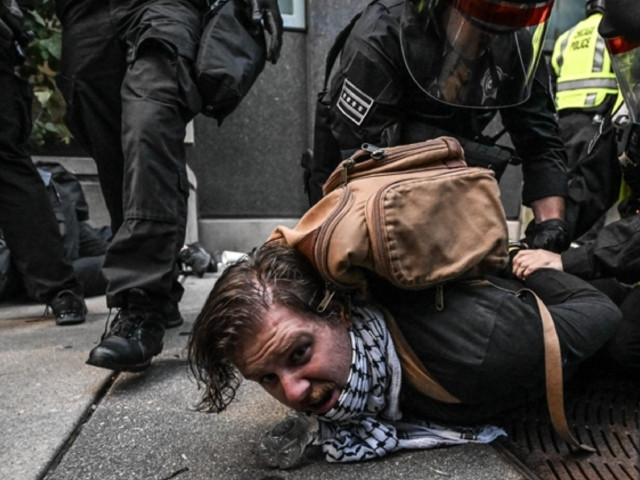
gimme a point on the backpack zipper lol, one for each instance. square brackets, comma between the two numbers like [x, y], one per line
[320, 251]
[382, 156]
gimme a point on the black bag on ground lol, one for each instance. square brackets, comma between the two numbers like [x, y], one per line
[68, 202]
[231, 55]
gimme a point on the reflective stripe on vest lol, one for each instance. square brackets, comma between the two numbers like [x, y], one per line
[585, 78]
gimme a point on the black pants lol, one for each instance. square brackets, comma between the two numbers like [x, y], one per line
[126, 77]
[27, 220]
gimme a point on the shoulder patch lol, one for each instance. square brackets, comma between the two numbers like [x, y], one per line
[354, 103]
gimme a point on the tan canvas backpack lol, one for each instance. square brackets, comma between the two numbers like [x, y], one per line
[414, 214]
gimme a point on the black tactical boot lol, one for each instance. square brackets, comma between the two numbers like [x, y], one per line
[68, 308]
[134, 337]
[172, 316]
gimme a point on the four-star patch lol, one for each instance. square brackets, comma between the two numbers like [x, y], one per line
[354, 103]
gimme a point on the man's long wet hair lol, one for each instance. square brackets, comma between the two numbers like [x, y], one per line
[273, 274]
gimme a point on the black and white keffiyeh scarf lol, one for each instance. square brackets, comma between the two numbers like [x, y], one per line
[366, 422]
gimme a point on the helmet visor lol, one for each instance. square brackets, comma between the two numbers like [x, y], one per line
[486, 54]
[625, 59]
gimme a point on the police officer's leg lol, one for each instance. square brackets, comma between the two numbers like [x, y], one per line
[158, 98]
[26, 217]
[93, 67]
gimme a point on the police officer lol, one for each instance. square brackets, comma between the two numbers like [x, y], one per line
[416, 69]
[586, 89]
[27, 220]
[584, 77]
[613, 251]
[127, 78]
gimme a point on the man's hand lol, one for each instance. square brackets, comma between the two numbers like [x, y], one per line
[528, 261]
[269, 11]
[551, 235]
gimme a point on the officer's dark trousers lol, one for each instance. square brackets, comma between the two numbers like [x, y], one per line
[26, 217]
[126, 77]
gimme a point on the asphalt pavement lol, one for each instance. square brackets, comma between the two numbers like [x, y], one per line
[62, 419]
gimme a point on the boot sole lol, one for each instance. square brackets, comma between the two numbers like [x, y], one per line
[139, 367]
[174, 322]
[119, 367]
[70, 320]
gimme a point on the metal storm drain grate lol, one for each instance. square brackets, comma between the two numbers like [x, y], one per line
[602, 410]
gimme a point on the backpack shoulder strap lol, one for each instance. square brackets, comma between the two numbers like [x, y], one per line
[553, 370]
[412, 368]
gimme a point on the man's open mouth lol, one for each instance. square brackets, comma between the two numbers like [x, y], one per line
[326, 402]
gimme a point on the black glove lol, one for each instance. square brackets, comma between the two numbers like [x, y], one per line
[552, 235]
[270, 12]
[629, 207]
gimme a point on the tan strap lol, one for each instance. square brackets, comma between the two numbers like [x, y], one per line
[412, 368]
[553, 377]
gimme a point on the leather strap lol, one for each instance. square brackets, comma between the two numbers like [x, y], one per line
[553, 377]
[412, 368]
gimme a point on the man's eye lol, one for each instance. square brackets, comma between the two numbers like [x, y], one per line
[268, 379]
[299, 355]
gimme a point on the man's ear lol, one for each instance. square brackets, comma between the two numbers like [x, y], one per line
[343, 316]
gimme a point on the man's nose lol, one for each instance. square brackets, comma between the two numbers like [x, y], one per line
[294, 387]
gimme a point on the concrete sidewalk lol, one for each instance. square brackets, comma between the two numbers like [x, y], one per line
[62, 419]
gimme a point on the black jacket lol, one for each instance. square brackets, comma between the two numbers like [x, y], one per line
[485, 346]
[614, 252]
[372, 61]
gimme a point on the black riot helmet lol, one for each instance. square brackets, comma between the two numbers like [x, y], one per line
[620, 28]
[474, 53]
[593, 6]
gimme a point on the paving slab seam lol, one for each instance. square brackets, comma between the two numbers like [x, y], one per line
[57, 458]
[515, 462]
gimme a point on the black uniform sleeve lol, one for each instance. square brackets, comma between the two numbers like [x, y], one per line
[366, 90]
[534, 131]
[615, 251]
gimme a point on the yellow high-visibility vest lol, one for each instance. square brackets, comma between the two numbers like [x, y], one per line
[582, 65]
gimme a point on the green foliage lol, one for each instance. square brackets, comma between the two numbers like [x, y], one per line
[40, 68]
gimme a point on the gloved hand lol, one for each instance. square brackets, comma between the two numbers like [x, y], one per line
[11, 23]
[552, 235]
[629, 207]
[270, 12]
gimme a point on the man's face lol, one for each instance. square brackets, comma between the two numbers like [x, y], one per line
[303, 362]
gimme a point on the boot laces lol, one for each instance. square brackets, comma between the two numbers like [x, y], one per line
[125, 323]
